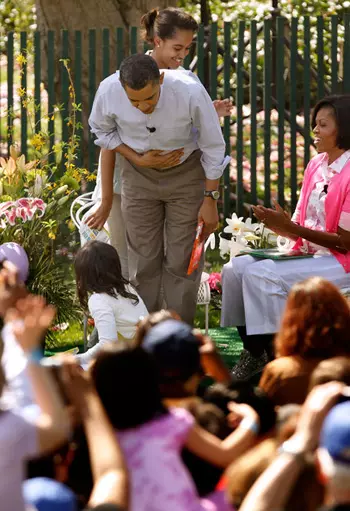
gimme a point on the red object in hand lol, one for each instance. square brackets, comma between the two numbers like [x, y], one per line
[197, 250]
[91, 322]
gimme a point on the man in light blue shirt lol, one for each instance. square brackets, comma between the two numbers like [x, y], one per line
[166, 128]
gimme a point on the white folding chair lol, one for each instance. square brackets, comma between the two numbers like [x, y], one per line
[204, 295]
[80, 206]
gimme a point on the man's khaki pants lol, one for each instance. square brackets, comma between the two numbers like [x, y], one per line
[160, 210]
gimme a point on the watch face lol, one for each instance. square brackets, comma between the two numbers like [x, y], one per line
[215, 195]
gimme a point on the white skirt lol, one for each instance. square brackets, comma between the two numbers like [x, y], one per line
[254, 291]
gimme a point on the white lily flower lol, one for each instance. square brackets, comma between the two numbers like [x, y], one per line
[211, 242]
[224, 246]
[234, 224]
[249, 225]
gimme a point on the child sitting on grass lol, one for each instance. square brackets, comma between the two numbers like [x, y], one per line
[111, 300]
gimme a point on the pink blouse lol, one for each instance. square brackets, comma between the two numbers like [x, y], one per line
[315, 217]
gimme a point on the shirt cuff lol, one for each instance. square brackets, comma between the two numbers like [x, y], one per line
[108, 141]
[216, 173]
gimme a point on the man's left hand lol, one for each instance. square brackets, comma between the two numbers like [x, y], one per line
[208, 214]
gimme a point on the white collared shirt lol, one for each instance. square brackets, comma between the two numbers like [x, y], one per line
[183, 104]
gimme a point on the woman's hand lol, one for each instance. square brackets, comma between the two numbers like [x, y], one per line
[276, 219]
[99, 217]
[223, 107]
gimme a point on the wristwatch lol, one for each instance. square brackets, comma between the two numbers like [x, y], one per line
[214, 194]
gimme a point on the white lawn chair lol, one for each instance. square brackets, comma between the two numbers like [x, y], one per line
[78, 212]
[204, 295]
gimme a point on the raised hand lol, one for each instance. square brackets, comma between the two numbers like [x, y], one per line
[223, 107]
[32, 317]
[11, 288]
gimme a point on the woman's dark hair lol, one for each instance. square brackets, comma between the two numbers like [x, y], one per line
[126, 380]
[316, 321]
[164, 23]
[340, 104]
[98, 270]
[242, 392]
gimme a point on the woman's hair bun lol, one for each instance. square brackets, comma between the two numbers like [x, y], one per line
[147, 24]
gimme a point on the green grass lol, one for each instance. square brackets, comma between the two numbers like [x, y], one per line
[226, 339]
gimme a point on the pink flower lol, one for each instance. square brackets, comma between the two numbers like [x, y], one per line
[39, 205]
[22, 214]
[24, 203]
[215, 281]
[11, 216]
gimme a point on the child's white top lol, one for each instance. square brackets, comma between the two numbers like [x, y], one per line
[114, 317]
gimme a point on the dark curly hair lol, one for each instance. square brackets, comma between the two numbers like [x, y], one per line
[316, 321]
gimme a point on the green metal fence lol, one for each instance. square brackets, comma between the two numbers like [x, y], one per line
[274, 72]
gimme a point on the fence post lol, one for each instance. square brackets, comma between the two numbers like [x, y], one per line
[105, 53]
[10, 69]
[51, 91]
[65, 98]
[24, 108]
[253, 111]
[334, 53]
[120, 46]
[267, 109]
[133, 40]
[239, 118]
[280, 24]
[320, 57]
[307, 136]
[78, 93]
[227, 93]
[92, 90]
[346, 62]
[37, 81]
[200, 53]
[293, 112]
[213, 61]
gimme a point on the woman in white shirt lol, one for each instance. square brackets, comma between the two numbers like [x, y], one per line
[171, 32]
[112, 302]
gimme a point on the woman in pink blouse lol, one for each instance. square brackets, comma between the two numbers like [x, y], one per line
[255, 291]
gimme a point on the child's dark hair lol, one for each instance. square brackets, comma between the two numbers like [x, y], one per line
[242, 392]
[165, 22]
[126, 380]
[205, 475]
[98, 270]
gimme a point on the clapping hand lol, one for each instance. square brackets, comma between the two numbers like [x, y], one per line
[276, 219]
